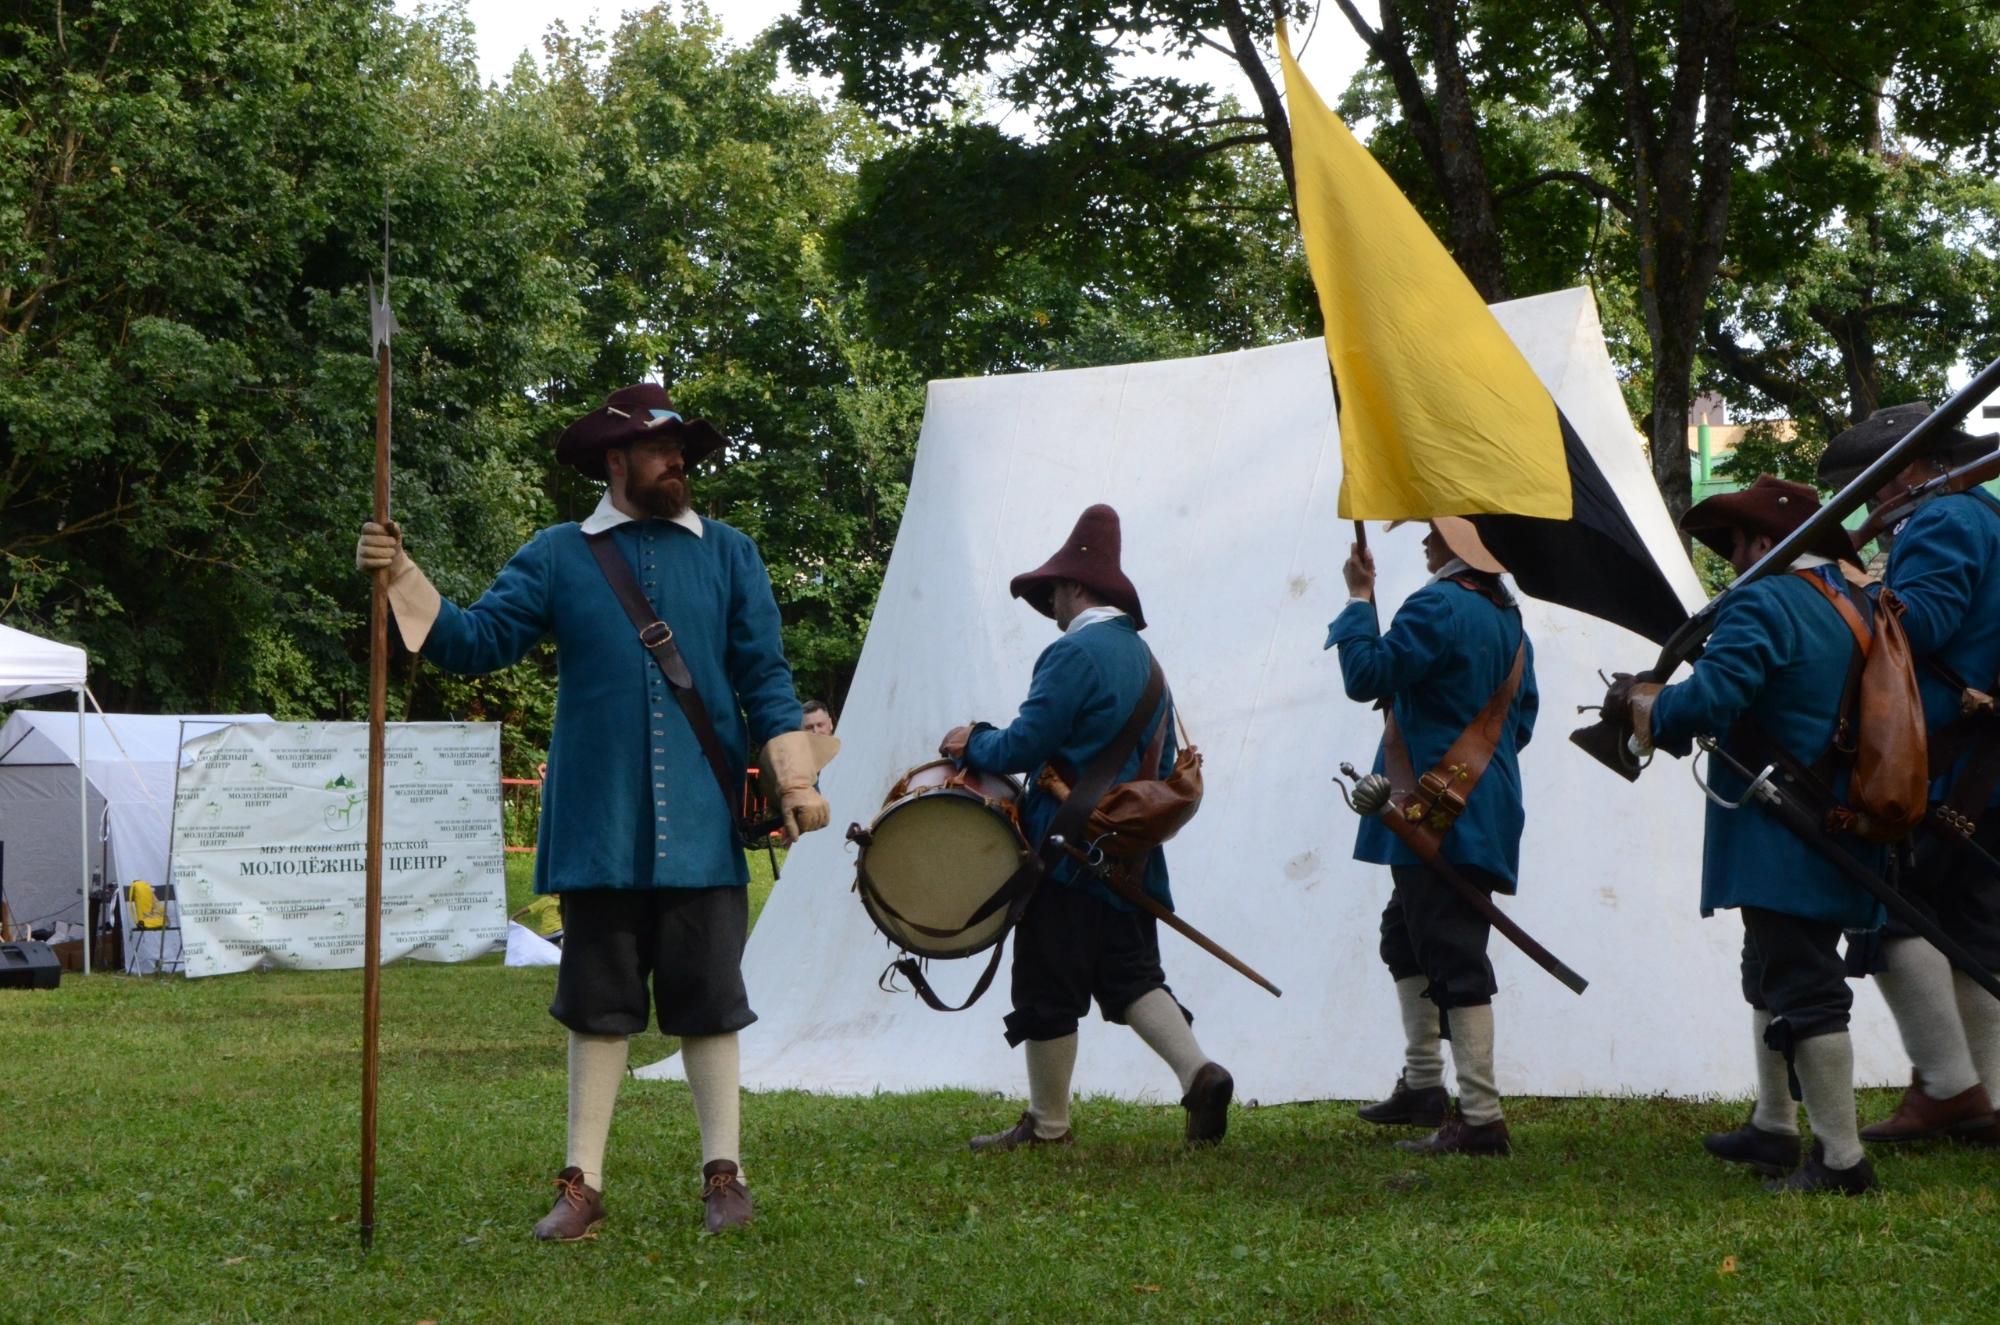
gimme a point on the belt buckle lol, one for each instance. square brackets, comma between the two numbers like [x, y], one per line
[653, 641]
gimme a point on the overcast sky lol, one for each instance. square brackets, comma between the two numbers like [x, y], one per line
[508, 27]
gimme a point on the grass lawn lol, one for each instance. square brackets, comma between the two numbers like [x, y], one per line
[184, 1150]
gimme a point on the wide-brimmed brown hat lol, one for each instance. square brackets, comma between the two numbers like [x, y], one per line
[1463, 539]
[1867, 441]
[1090, 557]
[633, 414]
[1770, 506]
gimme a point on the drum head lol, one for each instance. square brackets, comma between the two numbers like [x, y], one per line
[934, 858]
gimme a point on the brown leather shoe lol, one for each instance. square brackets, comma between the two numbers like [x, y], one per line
[577, 1213]
[1427, 1106]
[725, 1198]
[1918, 1117]
[1459, 1137]
[1020, 1134]
[1207, 1104]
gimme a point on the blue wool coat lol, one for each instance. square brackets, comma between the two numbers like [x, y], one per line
[1085, 686]
[629, 802]
[1945, 565]
[1447, 650]
[1778, 654]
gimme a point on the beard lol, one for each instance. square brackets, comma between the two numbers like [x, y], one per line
[666, 498]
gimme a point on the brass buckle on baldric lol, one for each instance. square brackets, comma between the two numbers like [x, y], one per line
[653, 641]
[1437, 799]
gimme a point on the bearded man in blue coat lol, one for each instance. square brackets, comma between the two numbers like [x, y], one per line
[1944, 563]
[1077, 940]
[1448, 650]
[638, 836]
[1773, 675]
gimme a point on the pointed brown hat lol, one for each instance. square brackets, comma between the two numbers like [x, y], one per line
[1090, 557]
[632, 414]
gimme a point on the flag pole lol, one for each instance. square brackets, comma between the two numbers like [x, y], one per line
[382, 325]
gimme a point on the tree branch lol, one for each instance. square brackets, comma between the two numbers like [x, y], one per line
[1589, 183]
[1758, 372]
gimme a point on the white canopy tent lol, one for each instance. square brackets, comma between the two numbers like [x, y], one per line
[1226, 473]
[126, 764]
[30, 667]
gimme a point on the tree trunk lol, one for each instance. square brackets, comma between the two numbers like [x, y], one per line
[1447, 134]
[1683, 158]
[1673, 392]
[1461, 175]
[1270, 105]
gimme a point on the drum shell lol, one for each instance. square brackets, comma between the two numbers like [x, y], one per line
[984, 804]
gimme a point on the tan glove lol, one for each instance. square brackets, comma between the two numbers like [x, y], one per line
[411, 597]
[1642, 696]
[791, 763]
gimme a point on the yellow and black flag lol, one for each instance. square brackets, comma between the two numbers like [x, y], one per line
[1439, 412]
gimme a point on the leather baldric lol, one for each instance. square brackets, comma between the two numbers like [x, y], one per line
[657, 637]
[1070, 818]
[1432, 803]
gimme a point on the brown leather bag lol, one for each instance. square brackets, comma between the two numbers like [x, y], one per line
[1136, 817]
[1882, 728]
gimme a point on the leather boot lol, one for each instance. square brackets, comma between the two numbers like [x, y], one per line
[577, 1213]
[725, 1200]
[1918, 1117]
[1459, 1137]
[1207, 1104]
[1815, 1176]
[1020, 1134]
[1427, 1107]
[1772, 1154]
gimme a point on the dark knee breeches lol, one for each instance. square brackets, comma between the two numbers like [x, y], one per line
[1429, 930]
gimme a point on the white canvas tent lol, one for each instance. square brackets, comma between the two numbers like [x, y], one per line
[30, 667]
[123, 765]
[1226, 472]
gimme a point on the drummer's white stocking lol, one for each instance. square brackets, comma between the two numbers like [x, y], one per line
[596, 1065]
[714, 1066]
[1050, 1063]
[1164, 1027]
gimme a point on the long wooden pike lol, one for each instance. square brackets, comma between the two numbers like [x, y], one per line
[382, 325]
[1137, 896]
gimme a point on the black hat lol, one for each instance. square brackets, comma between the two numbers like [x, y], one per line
[1869, 440]
[632, 414]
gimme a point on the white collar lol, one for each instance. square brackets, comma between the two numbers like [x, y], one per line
[1810, 560]
[1455, 566]
[607, 516]
[1090, 616]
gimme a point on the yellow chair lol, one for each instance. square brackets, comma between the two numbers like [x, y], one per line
[148, 909]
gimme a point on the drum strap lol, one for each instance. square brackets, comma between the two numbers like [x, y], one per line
[1070, 818]
[657, 637]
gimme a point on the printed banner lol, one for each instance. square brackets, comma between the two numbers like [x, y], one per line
[269, 845]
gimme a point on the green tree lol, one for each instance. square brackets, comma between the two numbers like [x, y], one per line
[1036, 205]
[185, 382]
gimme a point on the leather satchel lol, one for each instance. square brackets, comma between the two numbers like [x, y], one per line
[1138, 816]
[1882, 728]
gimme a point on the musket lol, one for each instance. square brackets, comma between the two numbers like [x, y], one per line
[1374, 796]
[1789, 810]
[1604, 740]
[1893, 512]
[382, 325]
[1137, 897]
